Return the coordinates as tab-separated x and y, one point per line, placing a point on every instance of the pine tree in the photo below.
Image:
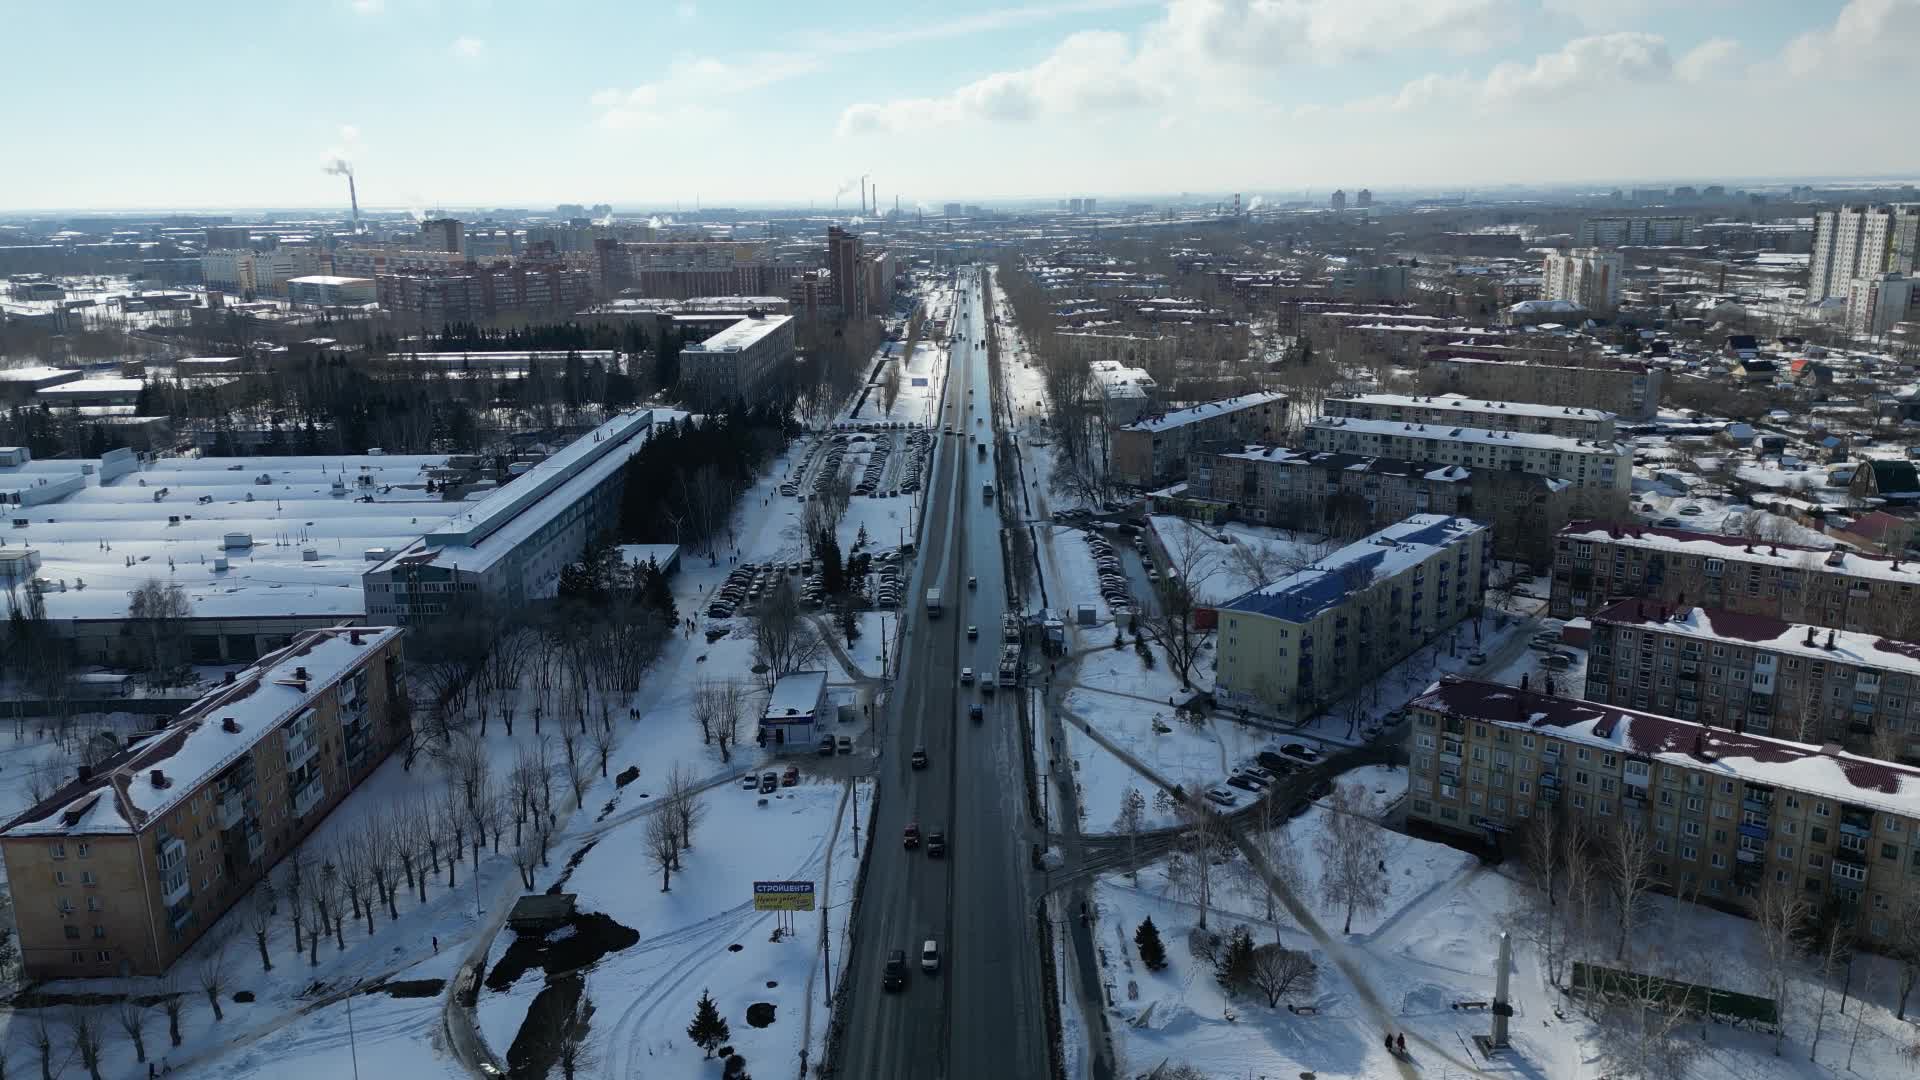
1147	940
708	1029
1234	966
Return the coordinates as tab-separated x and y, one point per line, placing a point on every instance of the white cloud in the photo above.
686	12
1092	71
1868	37
1707	59
1205	53
1581	64
469	48
368	7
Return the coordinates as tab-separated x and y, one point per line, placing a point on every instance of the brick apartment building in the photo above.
1310	637
1348	492
121	870
1153	449
1569	421
1728	811
1600	466
1760	674
1596	563
1630	391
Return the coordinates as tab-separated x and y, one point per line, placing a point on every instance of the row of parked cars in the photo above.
1113	580
742	586
767	781
887	592
1253	776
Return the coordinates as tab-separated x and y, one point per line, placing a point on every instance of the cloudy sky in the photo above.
642	102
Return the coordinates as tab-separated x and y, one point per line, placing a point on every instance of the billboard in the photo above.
783	896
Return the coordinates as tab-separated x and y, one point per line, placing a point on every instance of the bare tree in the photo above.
1132	819
1781	915
211	973
42	1037
294	877
131	1015
157	609
1629	857
173	1002
662	846
1640	1031
684	803
259	919
576	1052
89	1038
784	640
1905	949
1200	844
1833	953
1352	852
579	775
382	862
526	858
1279	971
732	709
604	741
1280	855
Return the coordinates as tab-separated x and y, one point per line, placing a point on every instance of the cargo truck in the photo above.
933	603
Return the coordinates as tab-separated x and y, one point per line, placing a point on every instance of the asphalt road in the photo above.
982	1015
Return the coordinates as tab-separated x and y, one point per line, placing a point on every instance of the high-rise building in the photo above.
228	237
1862	241
843	261
1087	205
952	209
443	234
1876	301
1588	277
1615	231
1076	206
1364	199
1339	200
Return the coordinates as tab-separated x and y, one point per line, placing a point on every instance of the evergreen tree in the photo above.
833	577
1233	965
654	593
709	1029
1153	953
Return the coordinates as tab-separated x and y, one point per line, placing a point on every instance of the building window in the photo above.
59	877
83	849
58	850
93	903
105	956
73	932
99	932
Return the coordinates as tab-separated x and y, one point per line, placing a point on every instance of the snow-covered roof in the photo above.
37	373
1715	546
81	387
119	795
1472	404
1193	414
1463	434
1299	596
796	695
1813	770
1768	633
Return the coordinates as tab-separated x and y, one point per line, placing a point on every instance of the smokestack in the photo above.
353	195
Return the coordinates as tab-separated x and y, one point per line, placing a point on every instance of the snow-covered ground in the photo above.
1432	944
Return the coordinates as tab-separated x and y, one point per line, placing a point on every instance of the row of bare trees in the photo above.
670	823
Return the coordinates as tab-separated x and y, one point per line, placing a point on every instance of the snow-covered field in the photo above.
1432	944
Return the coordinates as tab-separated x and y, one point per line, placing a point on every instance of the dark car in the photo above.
1243	783
768	783
1274	763
826	746
894	977
919	758
1321	789
790	776
975	712
937	845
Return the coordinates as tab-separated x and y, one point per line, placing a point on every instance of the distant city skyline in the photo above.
461	103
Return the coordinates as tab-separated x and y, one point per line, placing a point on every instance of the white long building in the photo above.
508	548
1583	462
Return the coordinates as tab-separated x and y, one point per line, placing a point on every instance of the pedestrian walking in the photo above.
436	945
1400	1043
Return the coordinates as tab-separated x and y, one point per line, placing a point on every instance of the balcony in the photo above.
179	891
308	797
1450	759
256	846
300	750
1757	805
1758	832
231	810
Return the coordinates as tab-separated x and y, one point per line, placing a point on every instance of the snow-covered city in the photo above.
1426	592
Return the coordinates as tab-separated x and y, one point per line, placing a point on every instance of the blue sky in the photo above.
465	102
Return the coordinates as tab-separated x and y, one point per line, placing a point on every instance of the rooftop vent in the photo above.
229	725
300	673
1831	749
159	779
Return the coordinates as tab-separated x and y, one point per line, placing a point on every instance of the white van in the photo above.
930	957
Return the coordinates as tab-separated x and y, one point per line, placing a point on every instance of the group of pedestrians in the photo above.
1396	1044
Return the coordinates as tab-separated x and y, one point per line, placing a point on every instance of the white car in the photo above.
1223	796
966	676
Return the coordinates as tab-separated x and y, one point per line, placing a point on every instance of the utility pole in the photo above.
353	1046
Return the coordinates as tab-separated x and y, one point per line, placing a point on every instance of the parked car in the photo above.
844	744
1477	659
790	776
769	782
826	746
1546	641
1222	796
750	782
1243	782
